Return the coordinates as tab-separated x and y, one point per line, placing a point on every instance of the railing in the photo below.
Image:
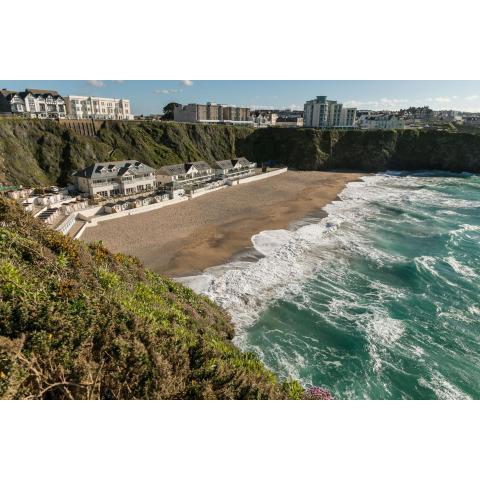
67	224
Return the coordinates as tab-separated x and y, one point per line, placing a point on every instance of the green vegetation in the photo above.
42	152
77	322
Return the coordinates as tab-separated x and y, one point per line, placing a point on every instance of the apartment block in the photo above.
323	113
98	108
211	113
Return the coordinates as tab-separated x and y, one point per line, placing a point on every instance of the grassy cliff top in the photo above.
78	322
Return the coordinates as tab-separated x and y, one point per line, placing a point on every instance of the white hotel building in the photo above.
323	113
115	178
98	108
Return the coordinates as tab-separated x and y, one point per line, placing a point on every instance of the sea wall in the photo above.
43	152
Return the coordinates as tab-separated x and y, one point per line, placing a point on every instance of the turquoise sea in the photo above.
378	300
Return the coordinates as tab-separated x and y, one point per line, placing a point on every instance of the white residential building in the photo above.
115	178
98	108
381	121
235	168
264	119
33	103
323	113
185	175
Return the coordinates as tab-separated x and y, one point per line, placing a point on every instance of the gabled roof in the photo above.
225	164
172	170
242	161
6	92
201	166
234	163
113	169
36	91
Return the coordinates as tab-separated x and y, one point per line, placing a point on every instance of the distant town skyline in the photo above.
150	96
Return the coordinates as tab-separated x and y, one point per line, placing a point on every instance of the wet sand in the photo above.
186	238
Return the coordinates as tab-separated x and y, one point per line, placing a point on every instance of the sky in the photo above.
150	96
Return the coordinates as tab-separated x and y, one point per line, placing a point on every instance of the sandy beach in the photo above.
186	238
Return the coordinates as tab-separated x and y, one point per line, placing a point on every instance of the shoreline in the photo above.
184	239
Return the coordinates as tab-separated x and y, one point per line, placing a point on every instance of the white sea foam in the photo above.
268	241
443	389
292	257
321	250
428	264
459	268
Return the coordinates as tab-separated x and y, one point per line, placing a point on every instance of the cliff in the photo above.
39	152
376	150
42	152
77	322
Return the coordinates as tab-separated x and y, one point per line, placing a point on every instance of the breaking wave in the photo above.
365	300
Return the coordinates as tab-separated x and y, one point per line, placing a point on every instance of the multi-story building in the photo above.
289	121
264	119
235	168
115	178
211	113
33	103
381	121
472	120
185	175
236	114
98	108
323	113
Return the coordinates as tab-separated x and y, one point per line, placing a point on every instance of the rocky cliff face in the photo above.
41	152
37	152
378	150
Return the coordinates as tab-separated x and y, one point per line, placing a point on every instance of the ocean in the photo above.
377	300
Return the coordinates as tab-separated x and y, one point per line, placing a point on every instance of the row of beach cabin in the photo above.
134	203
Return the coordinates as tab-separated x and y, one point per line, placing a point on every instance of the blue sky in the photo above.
149	96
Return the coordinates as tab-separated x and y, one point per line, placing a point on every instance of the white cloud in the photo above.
263	107
96	83
472	97
118	81
442	99
187	83
167	91
378	104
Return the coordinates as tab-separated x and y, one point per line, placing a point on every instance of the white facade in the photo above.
235	168
33	103
98	108
185	175
323	113
265	119
115	178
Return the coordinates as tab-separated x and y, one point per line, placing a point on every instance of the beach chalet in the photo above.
161	198
113	207
115	178
185	175
233	169
137	202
